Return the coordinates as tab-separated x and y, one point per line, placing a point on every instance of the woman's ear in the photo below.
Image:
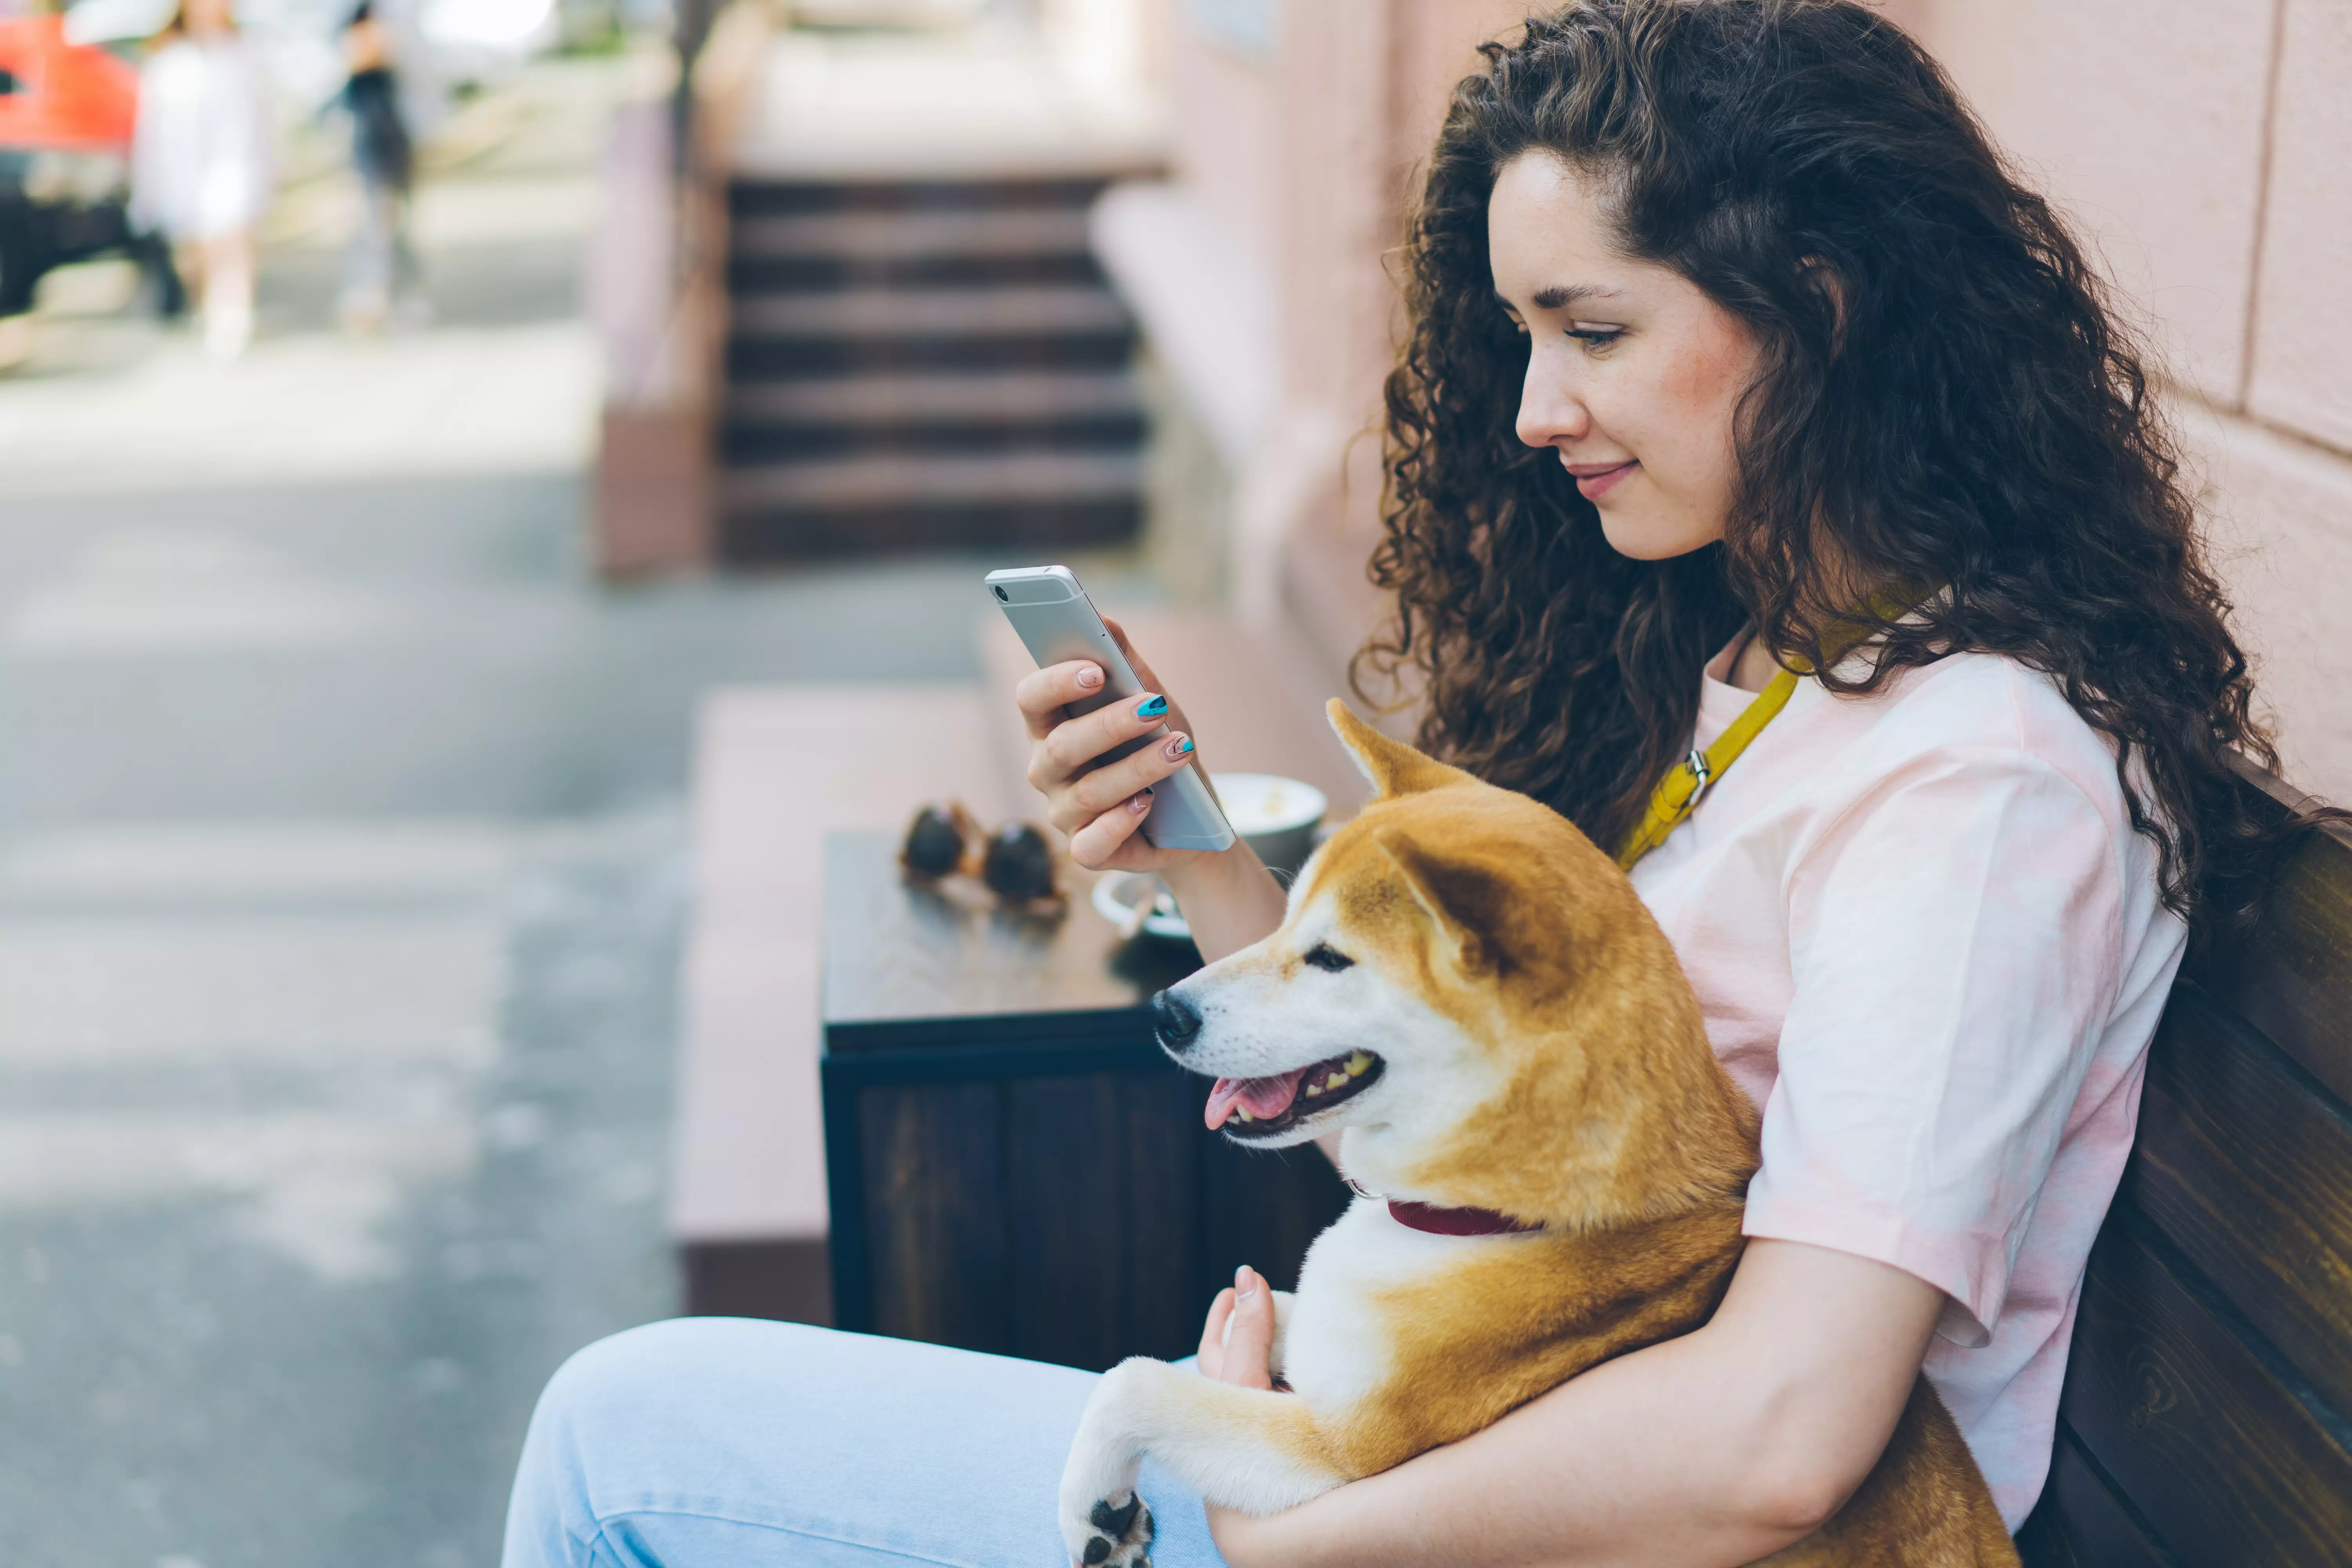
1825	279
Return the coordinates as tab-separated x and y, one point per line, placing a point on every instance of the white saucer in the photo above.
1117	893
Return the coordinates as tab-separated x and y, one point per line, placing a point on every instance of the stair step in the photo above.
1045	500
978	397
904	313
876	330
759	198
878	481
1035	528
777	274
905	236
982	413
742	443
756	360
978	414
1033	246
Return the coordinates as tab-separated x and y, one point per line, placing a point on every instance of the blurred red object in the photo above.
56	96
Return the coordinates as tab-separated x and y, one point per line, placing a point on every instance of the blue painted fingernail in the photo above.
1151	708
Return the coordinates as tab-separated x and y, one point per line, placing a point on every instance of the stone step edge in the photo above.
896	480
980	398
866	312
908	237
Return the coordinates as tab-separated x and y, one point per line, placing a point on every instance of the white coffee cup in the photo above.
1277	815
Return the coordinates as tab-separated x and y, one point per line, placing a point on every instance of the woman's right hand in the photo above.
1100	808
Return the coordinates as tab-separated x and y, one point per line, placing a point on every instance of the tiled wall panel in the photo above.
2303	347
2282	531
1227	124
2144	119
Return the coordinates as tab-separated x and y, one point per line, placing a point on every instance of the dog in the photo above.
1476	997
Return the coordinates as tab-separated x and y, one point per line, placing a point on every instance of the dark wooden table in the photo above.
1014	1165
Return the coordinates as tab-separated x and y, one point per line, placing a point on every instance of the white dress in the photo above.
201	163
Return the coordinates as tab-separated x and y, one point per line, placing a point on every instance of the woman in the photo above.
1733	341
202	173
382	267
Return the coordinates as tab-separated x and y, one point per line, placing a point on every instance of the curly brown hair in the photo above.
1945	397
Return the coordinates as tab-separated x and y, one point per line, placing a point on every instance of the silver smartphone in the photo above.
1058	623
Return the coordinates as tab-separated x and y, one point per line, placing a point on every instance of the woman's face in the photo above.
210	17
1633	374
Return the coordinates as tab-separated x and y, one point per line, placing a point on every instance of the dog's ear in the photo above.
1393	767
1467	904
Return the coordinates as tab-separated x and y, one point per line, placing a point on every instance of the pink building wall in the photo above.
2200	145
2203	145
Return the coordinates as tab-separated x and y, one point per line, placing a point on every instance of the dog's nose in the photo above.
1173	1021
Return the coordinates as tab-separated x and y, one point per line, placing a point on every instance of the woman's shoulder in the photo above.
1987	713
1984	756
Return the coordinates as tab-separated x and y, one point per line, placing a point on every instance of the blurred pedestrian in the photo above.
201	170
381	276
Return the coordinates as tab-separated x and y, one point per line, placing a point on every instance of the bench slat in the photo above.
2246	1166
2080	1521
2290	975
2210	1448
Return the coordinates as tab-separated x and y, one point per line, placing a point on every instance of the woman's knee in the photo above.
628	1417
629	1382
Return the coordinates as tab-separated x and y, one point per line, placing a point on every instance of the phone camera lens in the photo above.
1004	595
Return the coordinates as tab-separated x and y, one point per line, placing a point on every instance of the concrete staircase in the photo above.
922	363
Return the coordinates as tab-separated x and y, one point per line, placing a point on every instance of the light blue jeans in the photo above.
728	1443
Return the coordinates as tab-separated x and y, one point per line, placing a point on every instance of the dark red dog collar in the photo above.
1439	1221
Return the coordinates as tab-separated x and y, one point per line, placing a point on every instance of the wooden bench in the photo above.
2203	1419
2204	1416
775	769
2207	1414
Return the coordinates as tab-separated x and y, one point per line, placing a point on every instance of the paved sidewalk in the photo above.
342	875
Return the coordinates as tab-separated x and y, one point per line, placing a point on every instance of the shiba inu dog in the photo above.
1475	995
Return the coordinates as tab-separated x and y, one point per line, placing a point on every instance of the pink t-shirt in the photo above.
1929	945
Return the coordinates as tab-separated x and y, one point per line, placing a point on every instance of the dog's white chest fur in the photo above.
1338	1336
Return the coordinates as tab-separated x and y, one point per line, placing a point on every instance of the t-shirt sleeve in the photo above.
1956	949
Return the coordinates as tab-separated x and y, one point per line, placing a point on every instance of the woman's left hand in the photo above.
1237	1342
1237	1347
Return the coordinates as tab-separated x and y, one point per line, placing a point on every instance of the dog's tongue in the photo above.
1265	1096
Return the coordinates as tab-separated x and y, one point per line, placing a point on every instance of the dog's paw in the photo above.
1117	1535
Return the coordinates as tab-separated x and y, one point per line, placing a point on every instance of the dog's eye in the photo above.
1323	955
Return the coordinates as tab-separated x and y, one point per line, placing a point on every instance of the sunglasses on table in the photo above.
1015	862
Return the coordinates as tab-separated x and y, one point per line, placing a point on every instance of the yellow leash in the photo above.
1678	793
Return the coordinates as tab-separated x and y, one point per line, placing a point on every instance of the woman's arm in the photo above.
1229	898
1715	1449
